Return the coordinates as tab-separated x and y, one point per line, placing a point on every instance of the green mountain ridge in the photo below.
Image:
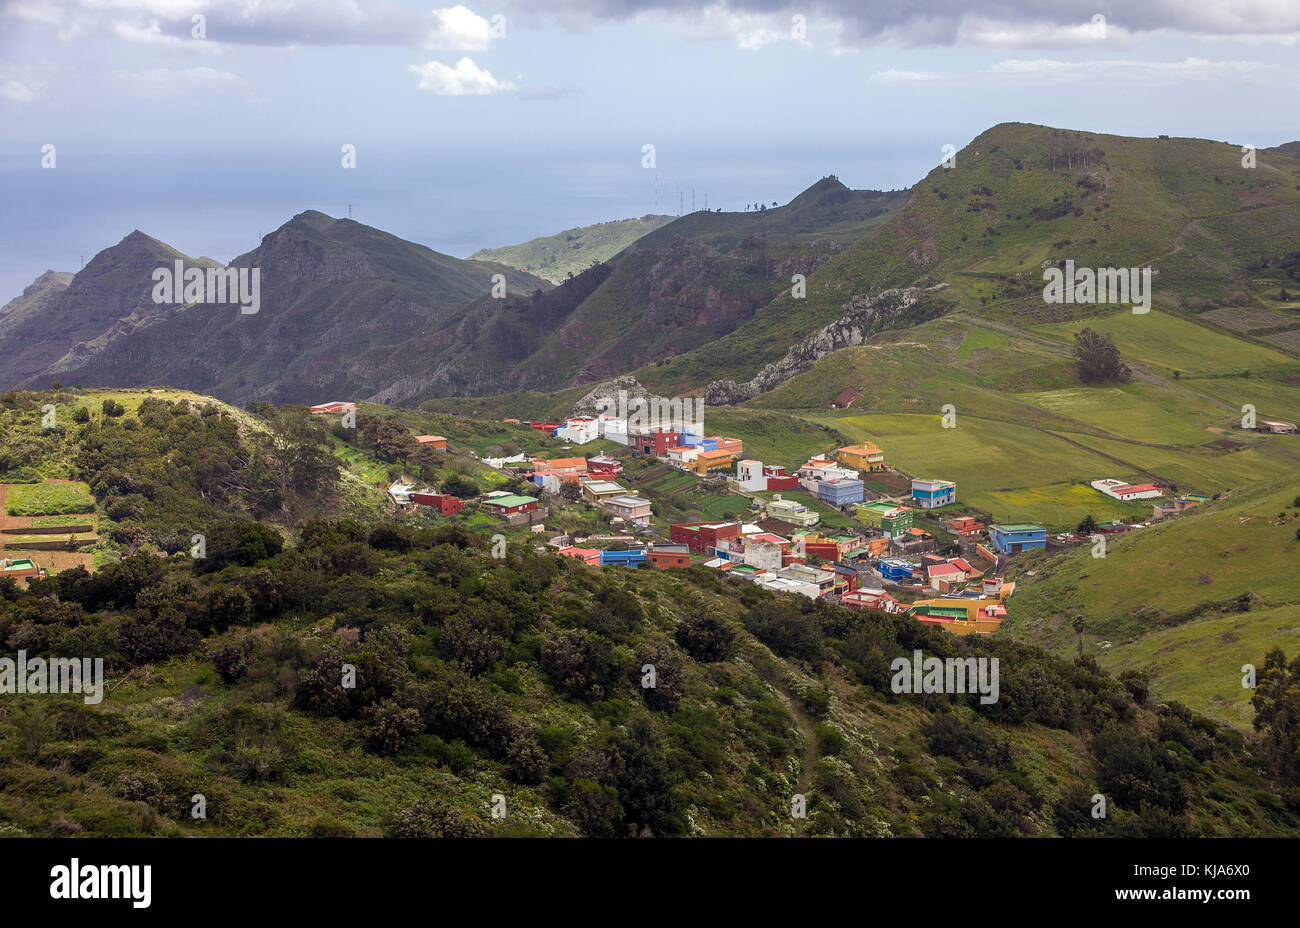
555	257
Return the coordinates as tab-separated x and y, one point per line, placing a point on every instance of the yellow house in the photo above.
865	456
960	616
708	461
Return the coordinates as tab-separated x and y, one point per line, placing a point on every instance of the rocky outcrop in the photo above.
863	317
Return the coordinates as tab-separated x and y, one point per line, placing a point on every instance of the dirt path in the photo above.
807	728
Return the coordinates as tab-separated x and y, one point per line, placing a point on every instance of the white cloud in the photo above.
749	31
16	91
1148	72
903	77
465	79
173	82
458	28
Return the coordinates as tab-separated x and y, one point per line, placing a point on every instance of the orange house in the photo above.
438	442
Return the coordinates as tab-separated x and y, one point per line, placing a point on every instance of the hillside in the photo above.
555	257
1217	236
337	297
483	680
61	324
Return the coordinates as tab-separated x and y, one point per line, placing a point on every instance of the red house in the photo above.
778	479
703	537
663	557
604	467
445	503
510	504
547	427
657	443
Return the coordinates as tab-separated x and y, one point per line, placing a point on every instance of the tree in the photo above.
298	453
570	492
1078	626
460	486
1087	527
1098	359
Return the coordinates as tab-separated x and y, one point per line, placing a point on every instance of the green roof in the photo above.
24	564
508	501
1019	527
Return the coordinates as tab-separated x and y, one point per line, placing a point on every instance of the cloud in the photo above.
1146	72
977	23
16	91
175	82
903	77
465	79
263	22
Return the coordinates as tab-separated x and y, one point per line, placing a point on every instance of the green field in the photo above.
1200	663
48	499
1175	344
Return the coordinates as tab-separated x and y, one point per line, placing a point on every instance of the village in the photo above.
846	527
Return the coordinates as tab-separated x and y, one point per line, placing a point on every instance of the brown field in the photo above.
50	560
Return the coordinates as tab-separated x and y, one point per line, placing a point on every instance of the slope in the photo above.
555	257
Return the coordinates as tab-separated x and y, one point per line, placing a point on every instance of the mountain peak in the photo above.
314	219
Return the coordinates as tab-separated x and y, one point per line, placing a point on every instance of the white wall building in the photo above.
749	475
579	430
1120	490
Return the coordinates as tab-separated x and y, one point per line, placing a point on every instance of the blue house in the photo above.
896	570
633	557
1021	536
931	494
840	491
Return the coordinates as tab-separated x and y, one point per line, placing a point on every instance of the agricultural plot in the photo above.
1175	344
48	499
1136	411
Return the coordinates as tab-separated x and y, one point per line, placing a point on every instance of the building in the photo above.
865	456
890	518
613	429
400	493
764	554
779	584
846	398
894	569
877	600
509	504
1118	489
335	406
846	579
547	427
840	491
561	467
778	479
579	430
966	526
683	455
913	541
499	463
436	442
750	475
823	580
445	503
787	510
1277	427
595	490
960	616
587	555
1174	506
604	466
944	573
655	443
663	557
931	494
703	537
708	461
632	557
818	469
21	568
1017	537
631	508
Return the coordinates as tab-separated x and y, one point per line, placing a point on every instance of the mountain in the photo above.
337	299
1291	149
554	257
1022	197
34	300
63	325
681	287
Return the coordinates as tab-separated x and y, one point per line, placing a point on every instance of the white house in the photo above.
1118	489
683	455
613	429
749	475
764	555
579	430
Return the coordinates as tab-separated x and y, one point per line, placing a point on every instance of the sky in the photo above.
209	123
